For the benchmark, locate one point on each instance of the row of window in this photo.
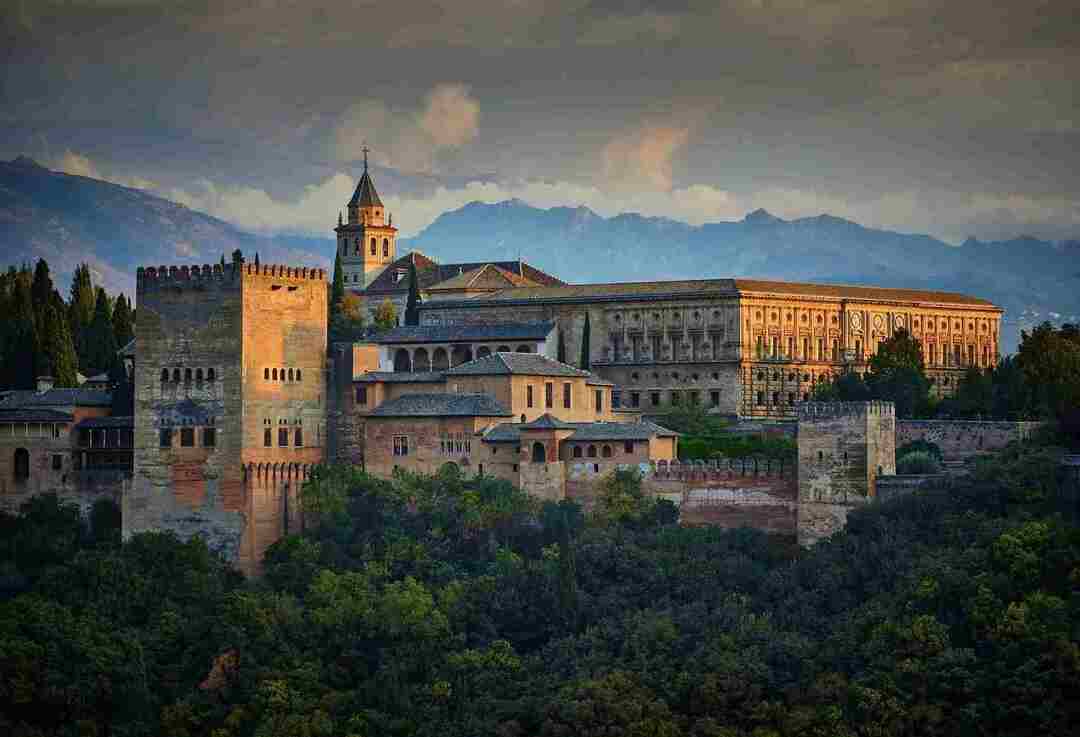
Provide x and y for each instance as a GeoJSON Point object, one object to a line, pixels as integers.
{"type": "Point", "coordinates": [675, 376]}
{"type": "Point", "coordinates": [187, 435]}
{"type": "Point", "coordinates": [567, 396]}
{"type": "Point", "coordinates": [634, 399]}
{"type": "Point", "coordinates": [697, 350]}
{"type": "Point", "coordinates": [605, 450]}
{"type": "Point", "coordinates": [374, 247]}
{"type": "Point", "coordinates": [283, 436]}
{"type": "Point", "coordinates": [187, 375]}
{"type": "Point", "coordinates": [936, 354]}
{"type": "Point", "coordinates": [273, 374]}
{"type": "Point", "coordinates": [453, 445]}
{"type": "Point", "coordinates": [33, 429]}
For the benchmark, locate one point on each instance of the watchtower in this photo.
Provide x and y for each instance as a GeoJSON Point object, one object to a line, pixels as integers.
{"type": "Point", "coordinates": [229, 402]}
{"type": "Point", "coordinates": [367, 242]}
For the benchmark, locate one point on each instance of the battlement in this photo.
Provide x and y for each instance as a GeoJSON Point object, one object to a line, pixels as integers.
{"type": "Point", "coordinates": [150, 277]}
{"type": "Point", "coordinates": [810, 411]}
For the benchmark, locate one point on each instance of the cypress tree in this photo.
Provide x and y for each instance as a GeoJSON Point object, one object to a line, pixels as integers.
{"type": "Point", "coordinates": [57, 358]}
{"type": "Point", "coordinates": [561, 348]}
{"type": "Point", "coordinates": [123, 394]}
{"type": "Point", "coordinates": [42, 288]}
{"type": "Point", "coordinates": [123, 321]}
{"type": "Point", "coordinates": [337, 288]}
{"type": "Point", "coordinates": [20, 356]}
{"type": "Point", "coordinates": [412, 307]}
{"type": "Point", "coordinates": [584, 362]}
{"type": "Point", "coordinates": [81, 312]}
{"type": "Point", "coordinates": [102, 340]}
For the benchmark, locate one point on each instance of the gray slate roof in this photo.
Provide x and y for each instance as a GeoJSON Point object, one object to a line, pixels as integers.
{"type": "Point", "coordinates": [56, 398]}
{"type": "Point", "coordinates": [33, 415]}
{"type": "Point", "coordinates": [400, 377]}
{"type": "Point", "coordinates": [528, 364]}
{"type": "Point", "coordinates": [509, 331]}
{"type": "Point", "coordinates": [429, 273]}
{"type": "Point", "coordinates": [365, 194]}
{"type": "Point", "coordinates": [442, 405]}
{"type": "Point", "coordinates": [510, 432]}
{"type": "Point", "coordinates": [547, 421]}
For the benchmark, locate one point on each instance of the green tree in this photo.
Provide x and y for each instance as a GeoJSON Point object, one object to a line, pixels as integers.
{"type": "Point", "coordinates": [561, 347]}
{"type": "Point", "coordinates": [42, 288]}
{"type": "Point", "coordinates": [584, 362]}
{"type": "Point", "coordinates": [57, 358]}
{"type": "Point", "coordinates": [123, 320]}
{"type": "Point", "coordinates": [337, 287]}
{"type": "Point", "coordinates": [21, 349]}
{"type": "Point", "coordinates": [385, 315]}
{"type": "Point", "coordinates": [412, 307]}
{"type": "Point", "coordinates": [102, 349]}
{"type": "Point", "coordinates": [1050, 360]}
{"type": "Point", "coordinates": [81, 313]}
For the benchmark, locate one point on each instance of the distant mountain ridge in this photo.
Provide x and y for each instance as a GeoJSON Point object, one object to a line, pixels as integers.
{"type": "Point", "coordinates": [69, 219]}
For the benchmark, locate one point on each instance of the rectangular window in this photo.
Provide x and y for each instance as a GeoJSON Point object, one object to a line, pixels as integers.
{"type": "Point", "coordinates": [268, 438]}
{"type": "Point", "coordinates": [57, 462]}
{"type": "Point", "coordinates": [298, 437]}
{"type": "Point", "coordinates": [165, 438]}
{"type": "Point", "coordinates": [283, 437]}
{"type": "Point", "coordinates": [209, 437]}
{"type": "Point", "coordinates": [401, 445]}
{"type": "Point", "coordinates": [628, 446]}
{"type": "Point", "coordinates": [654, 397]}
{"type": "Point", "coordinates": [676, 398]}
{"type": "Point", "coordinates": [549, 395]}
{"type": "Point", "coordinates": [361, 395]}
{"type": "Point", "coordinates": [528, 396]}
{"type": "Point", "coordinates": [599, 400]}
{"type": "Point", "coordinates": [714, 398]}
{"type": "Point", "coordinates": [566, 396]}
{"type": "Point", "coordinates": [635, 399]}
{"type": "Point", "coordinates": [187, 437]}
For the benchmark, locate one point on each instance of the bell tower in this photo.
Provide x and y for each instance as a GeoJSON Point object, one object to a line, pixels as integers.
{"type": "Point", "coordinates": [367, 241]}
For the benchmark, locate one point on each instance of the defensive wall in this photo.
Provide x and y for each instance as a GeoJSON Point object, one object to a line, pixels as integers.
{"type": "Point", "coordinates": [961, 439]}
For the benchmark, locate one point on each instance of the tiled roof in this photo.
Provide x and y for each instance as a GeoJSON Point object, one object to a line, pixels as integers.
{"type": "Point", "coordinates": [33, 415]}
{"type": "Point", "coordinates": [400, 377]}
{"type": "Point", "coordinates": [442, 405]}
{"type": "Point", "coordinates": [528, 364]}
{"type": "Point", "coordinates": [429, 273]}
{"type": "Point", "coordinates": [510, 432]}
{"type": "Point", "coordinates": [595, 380]}
{"type": "Point", "coordinates": [56, 398]}
{"type": "Point", "coordinates": [468, 332]}
{"type": "Point", "coordinates": [95, 422]}
{"type": "Point", "coordinates": [365, 194]}
{"type": "Point", "coordinates": [693, 288]}
{"type": "Point", "coordinates": [488, 276]}
{"type": "Point", "coordinates": [547, 421]}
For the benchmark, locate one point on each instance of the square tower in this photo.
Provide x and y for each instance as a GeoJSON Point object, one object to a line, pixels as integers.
{"type": "Point", "coordinates": [230, 412]}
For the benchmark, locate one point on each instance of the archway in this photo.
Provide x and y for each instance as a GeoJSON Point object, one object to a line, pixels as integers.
{"type": "Point", "coordinates": [539, 452]}
{"type": "Point", "coordinates": [461, 354]}
{"type": "Point", "coordinates": [420, 360]}
{"type": "Point", "coordinates": [503, 349]}
{"type": "Point", "coordinates": [439, 360]}
{"type": "Point", "coordinates": [483, 352]}
{"type": "Point", "coordinates": [523, 349]}
{"type": "Point", "coordinates": [402, 363]}
{"type": "Point", "coordinates": [22, 465]}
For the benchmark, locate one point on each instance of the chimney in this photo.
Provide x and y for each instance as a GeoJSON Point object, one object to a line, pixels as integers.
{"type": "Point", "coordinates": [44, 383]}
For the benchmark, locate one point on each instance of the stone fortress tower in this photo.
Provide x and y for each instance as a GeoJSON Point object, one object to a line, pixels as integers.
{"type": "Point", "coordinates": [230, 406]}
{"type": "Point", "coordinates": [367, 242]}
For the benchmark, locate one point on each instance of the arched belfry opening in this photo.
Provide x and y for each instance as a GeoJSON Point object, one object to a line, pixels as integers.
{"type": "Point", "coordinates": [539, 452]}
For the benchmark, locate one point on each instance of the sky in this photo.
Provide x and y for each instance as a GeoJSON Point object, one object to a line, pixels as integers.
{"type": "Point", "coordinates": [955, 118]}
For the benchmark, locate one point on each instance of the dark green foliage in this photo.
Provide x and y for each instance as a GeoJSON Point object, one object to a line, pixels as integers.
{"type": "Point", "coordinates": [21, 341]}
{"type": "Point", "coordinates": [896, 374]}
{"type": "Point", "coordinates": [921, 446]}
{"type": "Point", "coordinates": [412, 306]}
{"type": "Point", "coordinates": [736, 446]}
{"type": "Point", "coordinates": [337, 286]}
{"type": "Point", "coordinates": [123, 320]}
{"type": "Point", "coordinates": [584, 360]}
{"type": "Point", "coordinates": [81, 313]}
{"type": "Point", "coordinates": [917, 462]}
{"type": "Point", "coordinates": [453, 605]}
{"type": "Point", "coordinates": [102, 349]}
{"type": "Point", "coordinates": [57, 350]}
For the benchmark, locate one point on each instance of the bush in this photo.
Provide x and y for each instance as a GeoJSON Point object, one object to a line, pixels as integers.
{"type": "Point", "coordinates": [918, 462]}
{"type": "Point", "coordinates": [920, 446]}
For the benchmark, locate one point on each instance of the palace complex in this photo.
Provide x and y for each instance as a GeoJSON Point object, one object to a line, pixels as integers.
{"type": "Point", "coordinates": [510, 373]}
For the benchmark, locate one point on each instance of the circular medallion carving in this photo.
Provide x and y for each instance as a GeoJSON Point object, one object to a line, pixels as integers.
{"type": "Point", "coordinates": [879, 322]}
{"type": "Point", "coordinates": [899, 322]}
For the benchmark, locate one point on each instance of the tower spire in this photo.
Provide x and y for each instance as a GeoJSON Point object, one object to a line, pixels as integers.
{"type": "Point", "coordinates": [365, 150]}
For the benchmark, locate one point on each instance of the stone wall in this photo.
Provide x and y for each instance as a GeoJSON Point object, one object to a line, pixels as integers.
{"type": "Point", "coordinates": [961, 439]}
{"type": "Point", "coordinates": [547, 481]}
{"type": "Point", "coordinates": [888, 488]}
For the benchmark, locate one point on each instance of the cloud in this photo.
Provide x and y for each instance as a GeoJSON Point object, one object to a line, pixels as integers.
{"type": "Point", "coordinates": [643, 156]}
{"type": "Point", "coordinates": [80, 165]}
{"type": "Point", "coordinates": [409, 141]}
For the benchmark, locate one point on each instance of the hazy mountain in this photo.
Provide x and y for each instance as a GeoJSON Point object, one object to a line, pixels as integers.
{"type": "Point", "coordinates": [69, 219]}
{"type": "Point", "coordinates": [1032, 279]}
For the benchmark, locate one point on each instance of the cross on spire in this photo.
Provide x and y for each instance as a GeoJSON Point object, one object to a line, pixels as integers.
{"type": "Point", "coordinates": [365, 149]}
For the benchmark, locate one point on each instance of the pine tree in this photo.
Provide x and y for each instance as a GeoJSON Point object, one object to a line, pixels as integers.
{"type": "Point", "coordinates": [102, 340]}
{"type": "Point", "coordinates": [584, 362]}
{"type": "Point", "coordinates": [57, 358]}
{"type": "Point", "coordinates": [81, 313]}
{"type": "Point", "coordinates": [42, 288]}
{"type": "Point", "coordinates": [412, 307]}
{"type": "Point", "coordinates": [123, 321]}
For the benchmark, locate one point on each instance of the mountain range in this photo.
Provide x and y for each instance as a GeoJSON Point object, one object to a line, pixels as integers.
{"type": "Point", "coordinates": [70, 219]}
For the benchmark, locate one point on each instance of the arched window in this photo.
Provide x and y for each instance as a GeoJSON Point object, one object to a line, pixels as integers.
{"type": "Point", "coordinates": [198, 376]}
{"type": "Point", "coordinates": [421, 361]}
{"type": "Point", "coordinates": [591, 452]}
{"type": "Point", "coordinates": [176, 375]}
{"type": "Point", "coordinates": [373, 246]}
{"type": "Point", "coordinates": [356, 252]}
{"type": "Point", "coordinates": [282, 373]}
{"type": "Point", "coordinates": [22, 464]}
{"type": "Point", "coordinates": [290, 375]}
{"type": "Point", "coordinates": [402, 362]}
{"type": "Point", "coordinates": [274, 374]}
{"type": "Point", "coordinates": [164, 375]}
{"type": "Point", "coordinates": [577, 451]}
{"type": "Point", "coordinates": [523, 349]}
{"type": "Point", "coordinates": [440, 361]}
{"type": "Point", "coordinates": [298, 378]}
{"type": "Point", "coordinates": [266, 374]}
{"type": "Point", "coordinates": [503, 349]}
{"type": "Point", "coordinates": [539, 453]}
{"type": "Point", "coordinates": [386, 247]}
{"type": "Point", "coordinates": [268, 438]}
{"type": "Point", "coordinates": [210, 375]}
{"type": "Point", "coordinates": [483, 352]}
{"type": "Point", "coordinates": [605, 452]}
{"type": "Point", "coordinates": [187, 376]}
{"type": "Point", "coordinates": [523, 419]}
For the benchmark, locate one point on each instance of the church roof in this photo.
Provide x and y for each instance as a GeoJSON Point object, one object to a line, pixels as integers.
{"type": "Point", "coordinates": [527, 364]}
{"type": "Point", "coordinates": [696, 288]}
{"type": "Point", "coordinates": [365, 194]}
{"type": "Point", "coordinates": [429, 273]}
{"type": "Point", "coordinates": [488, 276]}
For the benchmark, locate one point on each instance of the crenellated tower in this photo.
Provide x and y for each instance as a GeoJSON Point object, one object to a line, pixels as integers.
{"type": "Point", "coordinates": [367, 241]}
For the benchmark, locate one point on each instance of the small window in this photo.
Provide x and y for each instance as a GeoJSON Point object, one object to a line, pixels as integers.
{"type": "Point", "coordinates": [635, 399]}
{"type": "Point", "coordinates": [361, 395]}
{"type": "Point", "coordinates": [268, 438]}
{"type": "Point", "coordinates": [605, 452]}
{"type": "Point", "coordinates": [273, 374]}
{"type": "Point", "coordinates": [187, 376]}
{"type": "Point", "coordinates": [282, 374]}
{"type": "Point", "coordinates": [714, 398]}
{"type": "Point", "coordinates": [549, 395]}
{"type": "Point", "coordinates": [577, 451]}
{"type": "Point", "coordinates": [209, 437]}
{"type": "Point", "coordinates": [187, 437]}
{"type": "Point", "coordinates": [599, 397]}
{"type": "Point", "coordinates": [528, 396]}
{"type": "Point", "coordinates": [373, 246]}
{"type": "Point", "coordinates": [198, 376]}
{"type": "Point", "coordinates": [401, 445]}
{"type": "Point", "coordinates": [266, 374]}
{"type": "Point", "coordinates": [298, 438]}
{"type": "Point", "coordinates": [654, 398]}
{"type": "Point", "coordinates": [283, 437]}
{"type": "Point", "coordinates": [57, 462]}
{"type": "Point", "coordinates": [290, 374]}
{"type": "Point", "coordinates": [165, 437]}
{"type": "Point", "coordinates": [164, 375]}
{"type": "Point", "coordinates": [386, 248]}
{"type": "Point", "coordinates": [176, 375]}
{"type": "Point", "coordinates": [628, 446]}
{"type": "Point", "coordinates": [591, 452]}
{"type": "Point", "coordinates": [566, 391]}
{"type": "Point", "coordinates": [210, 375]}
{"type": "Point", "coordinates": [298, 377]}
